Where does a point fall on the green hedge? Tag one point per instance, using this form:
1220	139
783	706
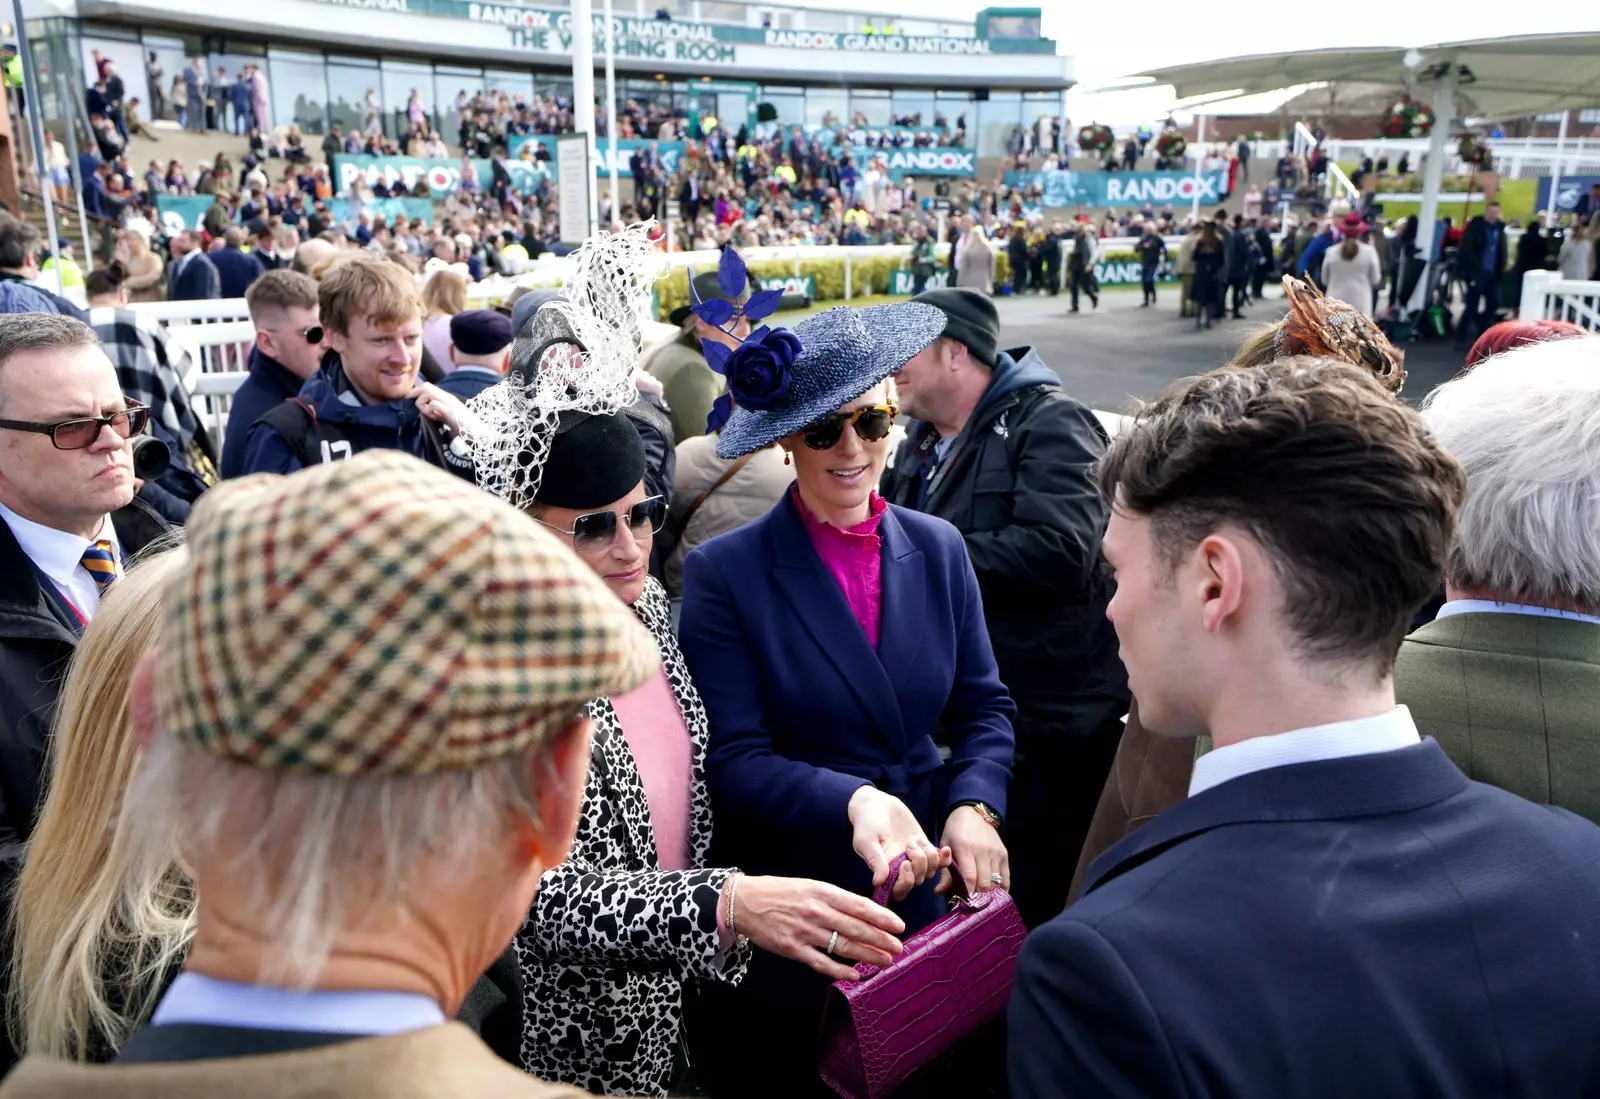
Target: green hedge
867	276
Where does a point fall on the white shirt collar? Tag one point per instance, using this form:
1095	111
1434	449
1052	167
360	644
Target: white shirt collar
1383	733
1492	606
59	556
196	998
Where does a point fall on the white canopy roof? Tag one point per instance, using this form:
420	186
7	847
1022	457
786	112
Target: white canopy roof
1500	77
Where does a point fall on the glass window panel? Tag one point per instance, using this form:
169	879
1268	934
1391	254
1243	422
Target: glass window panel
518	85
1001	114
455	86
297	85
827	21
790	104
869	108
717	11
913	108
127	63
350	84
170	58
400	80
225	68
827	107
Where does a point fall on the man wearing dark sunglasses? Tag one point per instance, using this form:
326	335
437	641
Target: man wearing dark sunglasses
69	519
288	349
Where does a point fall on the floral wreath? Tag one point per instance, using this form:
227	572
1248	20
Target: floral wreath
1096	138
1407	118
759	370
1171	144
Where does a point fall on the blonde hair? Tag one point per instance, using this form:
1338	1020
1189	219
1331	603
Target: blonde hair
93	936
444	292
367	286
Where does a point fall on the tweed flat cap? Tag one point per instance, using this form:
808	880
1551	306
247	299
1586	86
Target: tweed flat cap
380	616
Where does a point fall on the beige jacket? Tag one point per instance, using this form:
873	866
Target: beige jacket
747	495
974	262
442	1062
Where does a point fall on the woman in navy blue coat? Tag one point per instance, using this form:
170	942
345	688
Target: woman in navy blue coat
838	642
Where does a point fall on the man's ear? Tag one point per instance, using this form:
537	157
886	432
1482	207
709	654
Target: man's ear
562	771
142	714
1218	578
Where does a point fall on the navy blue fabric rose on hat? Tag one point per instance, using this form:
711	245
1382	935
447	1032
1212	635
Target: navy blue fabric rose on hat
758	370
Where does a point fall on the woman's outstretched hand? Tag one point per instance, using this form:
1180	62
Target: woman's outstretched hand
797	919
884	828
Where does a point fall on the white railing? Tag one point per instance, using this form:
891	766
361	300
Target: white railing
1548	296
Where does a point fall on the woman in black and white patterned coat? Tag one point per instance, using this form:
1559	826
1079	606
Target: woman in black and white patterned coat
634	914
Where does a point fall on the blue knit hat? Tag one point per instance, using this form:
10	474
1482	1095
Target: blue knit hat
782	380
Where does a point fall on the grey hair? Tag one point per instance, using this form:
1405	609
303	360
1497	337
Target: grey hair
325	854
1525	425
23	332
18	241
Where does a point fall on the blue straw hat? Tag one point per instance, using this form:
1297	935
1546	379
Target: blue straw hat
842	353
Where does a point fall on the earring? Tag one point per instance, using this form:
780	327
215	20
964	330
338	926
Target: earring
786	456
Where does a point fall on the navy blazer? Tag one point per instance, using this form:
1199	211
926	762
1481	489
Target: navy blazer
803	712
196	280
1370	926
236	270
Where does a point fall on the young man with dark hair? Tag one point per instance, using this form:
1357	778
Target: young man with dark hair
1335	910
287	351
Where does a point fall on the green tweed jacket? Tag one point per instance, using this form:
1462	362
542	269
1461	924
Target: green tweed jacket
1513	699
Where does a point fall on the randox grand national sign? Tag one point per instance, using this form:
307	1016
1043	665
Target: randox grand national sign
547	30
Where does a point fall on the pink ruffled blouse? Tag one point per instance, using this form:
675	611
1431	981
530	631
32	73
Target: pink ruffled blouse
854	557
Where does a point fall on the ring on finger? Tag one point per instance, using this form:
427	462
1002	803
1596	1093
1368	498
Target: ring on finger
833	942
997	879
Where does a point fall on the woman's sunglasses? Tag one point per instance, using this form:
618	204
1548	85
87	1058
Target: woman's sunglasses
871	423
598	528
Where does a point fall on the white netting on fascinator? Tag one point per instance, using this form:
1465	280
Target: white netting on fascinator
575	355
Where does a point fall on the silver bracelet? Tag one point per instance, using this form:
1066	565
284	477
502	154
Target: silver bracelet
733	897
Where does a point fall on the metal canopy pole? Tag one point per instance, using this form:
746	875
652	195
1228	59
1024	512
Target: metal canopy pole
1432	179
611	118
1555	172
30	87
582	94
1199	162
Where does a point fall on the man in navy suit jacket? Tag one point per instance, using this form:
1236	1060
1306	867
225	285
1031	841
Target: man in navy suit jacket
1335	910
480	349
236	269
193	277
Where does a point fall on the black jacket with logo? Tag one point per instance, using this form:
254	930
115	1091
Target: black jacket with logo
1017	483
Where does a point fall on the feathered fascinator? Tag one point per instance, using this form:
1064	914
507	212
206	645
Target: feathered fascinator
574	357
1324	326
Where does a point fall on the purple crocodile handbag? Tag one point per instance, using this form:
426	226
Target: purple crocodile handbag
954	977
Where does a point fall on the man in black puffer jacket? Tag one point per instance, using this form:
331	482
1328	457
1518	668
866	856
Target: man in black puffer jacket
1001	452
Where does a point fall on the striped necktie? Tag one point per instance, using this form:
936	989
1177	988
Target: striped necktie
100	560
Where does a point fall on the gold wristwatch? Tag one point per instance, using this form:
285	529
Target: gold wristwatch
990	817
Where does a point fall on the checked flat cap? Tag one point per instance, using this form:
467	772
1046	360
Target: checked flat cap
380	616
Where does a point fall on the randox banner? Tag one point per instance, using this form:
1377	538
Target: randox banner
792	284
443	175
179	212
943	161
188	211
903	281
1122	188
668	152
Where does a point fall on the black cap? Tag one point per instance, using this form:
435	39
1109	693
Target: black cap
594	461
480	332
971	319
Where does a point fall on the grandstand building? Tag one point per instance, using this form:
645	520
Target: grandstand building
325	59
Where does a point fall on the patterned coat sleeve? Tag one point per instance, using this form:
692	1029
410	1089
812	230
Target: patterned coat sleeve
625	917
609	903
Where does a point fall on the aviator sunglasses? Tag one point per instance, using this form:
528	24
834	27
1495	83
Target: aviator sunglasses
598	528
871	423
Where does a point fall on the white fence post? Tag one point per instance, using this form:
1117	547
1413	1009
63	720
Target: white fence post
1535	288
847	277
